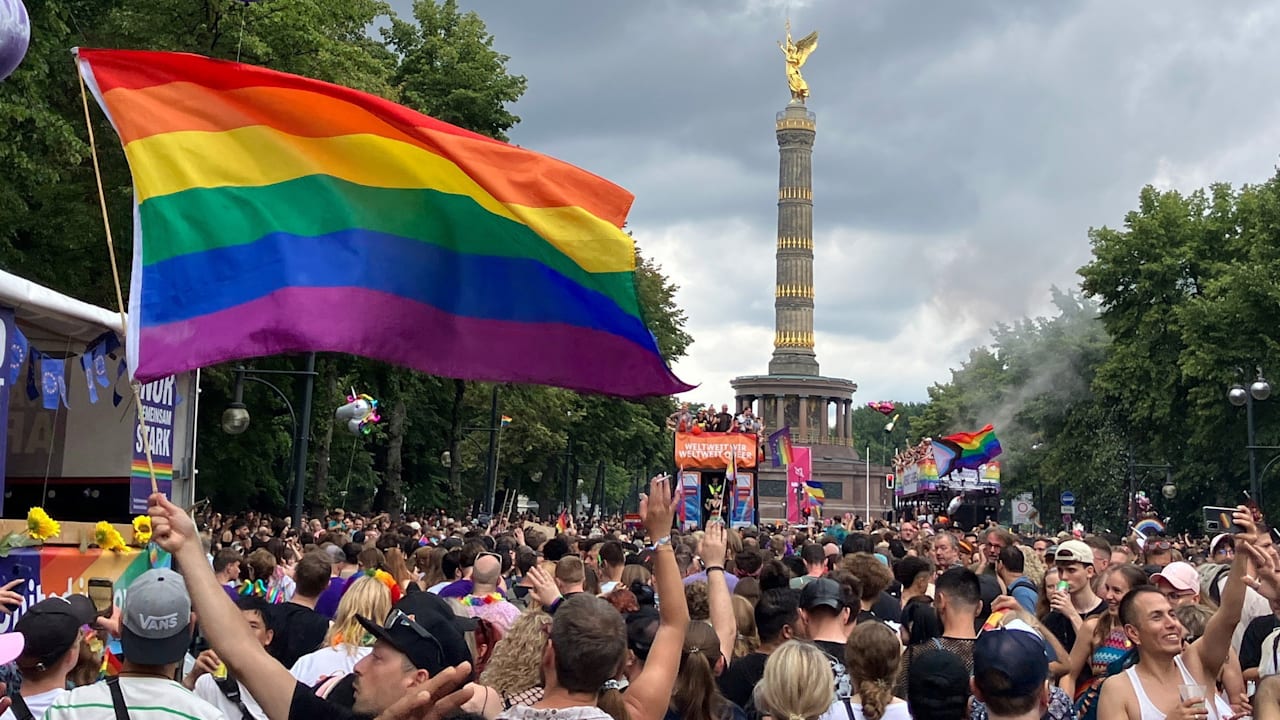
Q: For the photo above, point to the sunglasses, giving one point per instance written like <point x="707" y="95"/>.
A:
<point x="398" y="618"/>
<point x="1160" y="545"/>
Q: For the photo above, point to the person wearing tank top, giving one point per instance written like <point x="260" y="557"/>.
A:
<point x="1150" y="689"/>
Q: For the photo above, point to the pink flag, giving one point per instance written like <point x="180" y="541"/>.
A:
<point x="798" y="471"/>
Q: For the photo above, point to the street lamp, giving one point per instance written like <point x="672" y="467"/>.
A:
<point x="235" y="420"/>
<point x="1259" y="390"/>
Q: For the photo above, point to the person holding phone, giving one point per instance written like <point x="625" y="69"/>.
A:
<point x="51" y="631"/>
<point x="1173" y="679"/>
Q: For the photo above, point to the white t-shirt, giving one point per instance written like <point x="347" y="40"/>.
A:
<point x="440" y="586"/>
<point x="147" y="698"/>
<point x="896" y="710"/>
<point x="37" y="704"/>
<point x="207" y="689"/>
<point x="325" y="662"/>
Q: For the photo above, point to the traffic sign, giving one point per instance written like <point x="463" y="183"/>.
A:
<point x="1068" y="509"/>
<point x="1067" y="497"/>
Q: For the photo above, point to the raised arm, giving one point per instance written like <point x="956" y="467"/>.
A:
<point x="714" y="548"/>
<point x="268" y="681"/>
<point x="648" y="697"/>
<point x="1212" y="647"/>
<point x="1080" y="653"/>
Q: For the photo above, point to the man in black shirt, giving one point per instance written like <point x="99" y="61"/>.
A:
<point x="298" y="628"/>
<point x="396" y="675"/>
<point x="825" y="607"/>
<point x="1251" y="643"/>
<point x="777" y="614"/>
<point x="1071" y="607"/>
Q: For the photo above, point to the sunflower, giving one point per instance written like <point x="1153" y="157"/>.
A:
<point x="141" y="530"/>
<point x="105" y="536"/>
<point x="40" y="526"/>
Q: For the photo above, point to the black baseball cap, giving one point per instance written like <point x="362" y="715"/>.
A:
<point x="431" y="642"/>
<point x="51" y="627"/>
<point x="1009" y="663"/>
<point x="821" y="592"/>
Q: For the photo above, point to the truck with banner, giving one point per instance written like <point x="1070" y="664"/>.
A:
<point x="717" y="476"/>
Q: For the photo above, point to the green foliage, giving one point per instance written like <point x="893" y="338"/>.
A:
<point x="449" y="69"/>
<point x="442" y="62"/>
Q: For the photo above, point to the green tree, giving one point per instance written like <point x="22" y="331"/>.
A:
<point x="449" y="70"/>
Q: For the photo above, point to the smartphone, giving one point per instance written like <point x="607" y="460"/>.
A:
<point x="1218" y="520"/>
<point x="102" y="592"/>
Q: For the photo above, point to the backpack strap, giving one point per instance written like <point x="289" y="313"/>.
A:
<point x="117" y="698"/>
<point x="231" y="689"/>
<point x="20" y="709"/>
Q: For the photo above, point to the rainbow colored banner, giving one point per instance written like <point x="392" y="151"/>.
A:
<point x="58" y="570"/>
<point x="281" y="214"/>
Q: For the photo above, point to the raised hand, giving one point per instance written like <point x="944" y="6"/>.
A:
<point x="9" y="599"/>
<point x="544" y="588"/>
<point x="657" y="508"/>
<point x="171" y="527"/>
<point x="714" y="544"/>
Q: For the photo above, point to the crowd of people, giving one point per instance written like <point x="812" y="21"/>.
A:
<point x="432" y="617"/>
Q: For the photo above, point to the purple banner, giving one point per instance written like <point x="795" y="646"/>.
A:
<point x="159" y="400"/>
<point x="8" y="342"/>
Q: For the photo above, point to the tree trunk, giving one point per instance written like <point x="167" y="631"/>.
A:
<point x="455" y="437"/>
<point x="395" y="463"/>
<point x="324" y="443"/>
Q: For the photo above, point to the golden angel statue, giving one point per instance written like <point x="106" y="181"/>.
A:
<point x="796" y="53"/>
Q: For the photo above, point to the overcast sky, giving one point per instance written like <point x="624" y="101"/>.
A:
<point x="964" y="149"/>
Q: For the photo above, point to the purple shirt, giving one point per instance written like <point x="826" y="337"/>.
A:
<point x="731" y="580"/>
<point x="327" y="603"/>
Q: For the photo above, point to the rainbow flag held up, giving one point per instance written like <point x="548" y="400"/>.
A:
<point x="277" y="214"/>
<point x="966" y="450"/>
<point x="562" y="522"/>
<point x="817" y="496"/>
<point x="506" y="420"/>
<point x="780" y="447"/>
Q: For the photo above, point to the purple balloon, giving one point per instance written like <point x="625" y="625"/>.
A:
<point x="15" y="35"/>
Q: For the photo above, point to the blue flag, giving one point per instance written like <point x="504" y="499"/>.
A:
<point x="100" y="365"/>
<point x="17" y="354"/>
<point x="86" y="364"/>
<point x="33" y="390"/>
<point x="53" y="382"/>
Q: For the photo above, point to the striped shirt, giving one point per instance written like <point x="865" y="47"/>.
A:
<point x="147" y="698"/>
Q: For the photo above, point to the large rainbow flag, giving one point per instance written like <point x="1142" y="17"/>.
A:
<point x="278" y="214"/>
<point x="966" y="450"/>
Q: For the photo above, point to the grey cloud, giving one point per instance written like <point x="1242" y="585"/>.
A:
<point x="963" y="149"/>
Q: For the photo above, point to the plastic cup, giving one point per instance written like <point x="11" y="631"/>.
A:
<point x="1187" y="691"/>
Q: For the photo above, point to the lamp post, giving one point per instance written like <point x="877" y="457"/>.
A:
<point x="1237" y="395"/>
<point x="1168" y="490"/>
<point x="235" y="420"/>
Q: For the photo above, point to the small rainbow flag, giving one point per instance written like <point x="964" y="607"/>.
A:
<point x="562" y="522"/>
<point x="313" y="217"/>
<point x="780" y="447"/>
<point x="816" y="494"/>
<point x="506" y="420"/>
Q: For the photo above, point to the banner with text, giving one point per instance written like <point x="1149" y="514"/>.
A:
<point x="159" y="401"/>
<point x="10" y="336"/>
<point x="711" y="451"/>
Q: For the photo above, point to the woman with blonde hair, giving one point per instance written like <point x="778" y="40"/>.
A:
<point x="744" y="615"/>
<point x="872" y="656"/>
<point x="347" y="641"/>
<point x="514" y="672"/>
<point x="781" y="696"/>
